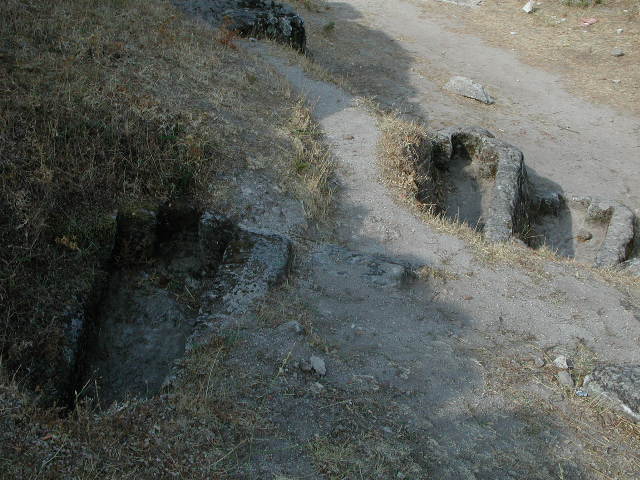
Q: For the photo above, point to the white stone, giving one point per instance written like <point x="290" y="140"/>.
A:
<point x="561" y="362"/>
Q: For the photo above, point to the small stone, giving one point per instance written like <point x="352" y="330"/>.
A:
<point x="538" y="361"/>
<point x="318" y="365"/>
<point x="564" y="378"/>
<point x="316" y="388"/>
<point x="617" y="52"/>
<point x="562" y="362"/>
<point x="468" y="88"/>
<point x="529" y="7"/>
<point x="584" y="235"/>
<point x="305" y="366"/>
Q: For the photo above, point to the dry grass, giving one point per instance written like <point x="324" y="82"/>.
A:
<point x="120" y="104"/>
<point x="610" y="441"/>
<point x="198" y="432"/>
<point x="111" y="106"/>
<point x="313" y="165"/>
<point x="553" y="38"/>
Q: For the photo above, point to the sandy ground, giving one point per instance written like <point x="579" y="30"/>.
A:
<point x="445" y="343"/>
<point x="402" y="56"/>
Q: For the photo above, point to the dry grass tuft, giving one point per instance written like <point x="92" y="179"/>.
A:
<point x="399" y="151"/>
<point x="313" y="164"/>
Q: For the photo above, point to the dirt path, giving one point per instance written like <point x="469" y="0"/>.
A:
<point x="452" y="356"/>
<point x="568" y="142"/>
<point x="371" y="221"/>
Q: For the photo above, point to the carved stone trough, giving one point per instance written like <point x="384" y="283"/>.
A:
<point x="467" y="175"/>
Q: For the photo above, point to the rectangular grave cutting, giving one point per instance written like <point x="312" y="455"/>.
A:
<point x="592" y="231"/>
<point x="469" y="176"/>
<point x="168" y="266"/>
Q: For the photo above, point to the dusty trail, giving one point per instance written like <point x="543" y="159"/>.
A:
<point x="439" y="345"/>
<point x="403" y="57"/>
<point x="437" y="371"/>
<point x="371" y="221"/>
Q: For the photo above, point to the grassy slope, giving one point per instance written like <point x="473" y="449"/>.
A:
<point x="107" y="105"/>
<point x="116" y="103"/>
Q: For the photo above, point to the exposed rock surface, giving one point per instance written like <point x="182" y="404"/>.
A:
<point x="470" y="176"/>
<point x="562" y="362"/>
<point x="468" y="88"/>
<point x="253" y="261"/>
<point x="252" y="18"/>
<point x="620" y="385"/>
<point x="620" y="231"/>
<point x="632" y="266"/>
<point x="564" y="378"/>
<point x="318" y="365"/>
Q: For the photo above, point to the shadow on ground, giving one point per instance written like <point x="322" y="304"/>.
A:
<point x="405" y="391"/>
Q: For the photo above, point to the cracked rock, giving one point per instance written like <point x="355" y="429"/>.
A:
<point x="619" y="385"/>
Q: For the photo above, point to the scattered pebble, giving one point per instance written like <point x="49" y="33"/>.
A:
<point x="318" y="365"/>
<point x="564" y="378"/>
<point x="529" y="7"/>
<point x="562" y="362"/>
<point x="617" y="52"/>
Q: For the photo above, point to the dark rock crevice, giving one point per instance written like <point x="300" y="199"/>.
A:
<point x="173" y="269"/>
<point x="251" y="18"/>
